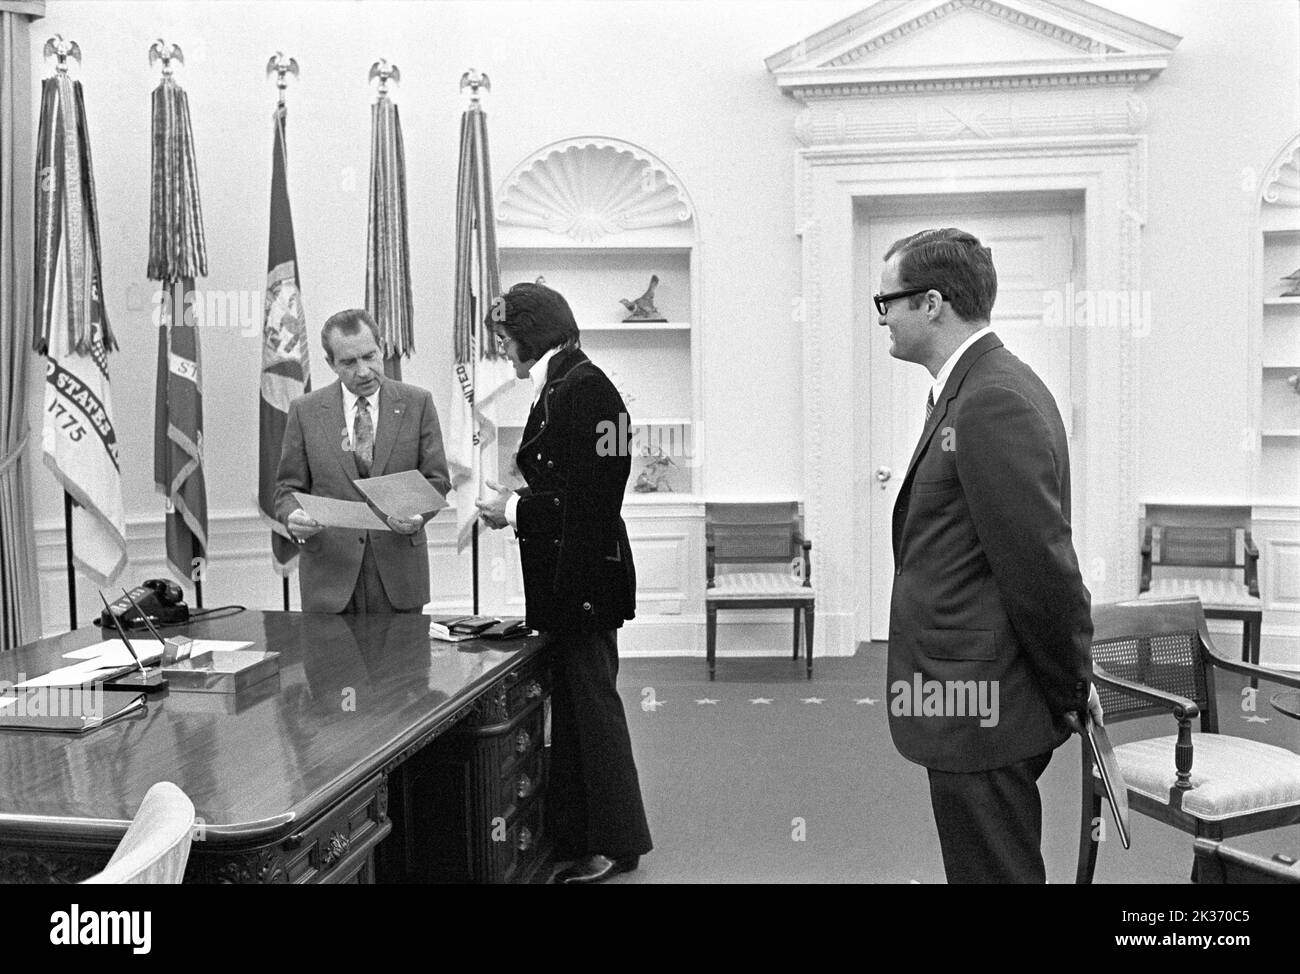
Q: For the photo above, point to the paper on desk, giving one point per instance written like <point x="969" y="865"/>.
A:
<point x="402" y="494"/>
<point x="113" y="653"/>
<point x="334" y="513"/>
<point x="86" y="671"/>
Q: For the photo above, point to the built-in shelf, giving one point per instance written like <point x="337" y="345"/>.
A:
<point x="638" y="326"/>
<point x="1279" y="434"/>
<point x="1277" y="302"/>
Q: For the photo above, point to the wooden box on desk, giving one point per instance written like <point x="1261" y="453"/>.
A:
<point x="472" y="808"/>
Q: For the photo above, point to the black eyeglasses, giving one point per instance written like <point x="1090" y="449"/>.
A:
<point x="882" y="300"/>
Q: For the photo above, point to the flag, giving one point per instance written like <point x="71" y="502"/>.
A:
<point x="177" y="256"/>
<point x="481" y="374"/>
<point x="78" y="439"/>
<point x="286" y="372"/>
<point x="388" y="261"/>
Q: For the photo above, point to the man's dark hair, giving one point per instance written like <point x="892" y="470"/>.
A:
<point x="348" y="322"/>
<point x="536" y="318"/>
<point x="952" y="262"/>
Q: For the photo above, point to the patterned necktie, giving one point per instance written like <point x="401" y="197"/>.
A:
<point x="929" y="404"/>
<point x="363" y="437"/>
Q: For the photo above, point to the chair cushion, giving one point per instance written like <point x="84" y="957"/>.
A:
<point x="758" y="585"/>
<point x="1214" y="593"/>
<point x="1231" y="776"/>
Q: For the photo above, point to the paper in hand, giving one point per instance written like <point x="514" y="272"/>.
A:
<point x="402" y="495"/>
<point x="335" y="513"/>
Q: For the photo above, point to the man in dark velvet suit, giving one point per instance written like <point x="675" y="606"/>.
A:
<point x="364" y="425"/>
<point x="579" y="581"/>
<point x="990" y="628"/>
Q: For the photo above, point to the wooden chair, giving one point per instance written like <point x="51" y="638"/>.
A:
<point x="1224" y="546"/>
<point x="156" y="847"/>
<point x="1219" y="863"/>
<point x="1154" y="658"/>
<point x="758" y="534"/>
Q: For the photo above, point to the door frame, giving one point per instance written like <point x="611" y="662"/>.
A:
<point x="1109" y="172"/>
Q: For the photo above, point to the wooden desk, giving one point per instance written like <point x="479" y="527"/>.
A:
<point x="296" y="785"/>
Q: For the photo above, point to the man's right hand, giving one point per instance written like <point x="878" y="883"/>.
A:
<point x="302" y="527"/>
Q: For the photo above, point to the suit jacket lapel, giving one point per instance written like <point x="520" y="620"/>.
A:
<point x="950" y="388"/>
<point x="390" y="413"/>
<point x="334" y="424"/>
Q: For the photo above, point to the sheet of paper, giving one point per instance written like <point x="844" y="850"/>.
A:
<point x="402" y="494"/>
<point x="334" y="513"/>
<point x="113" y="652"/>
<point x="7" y="702"/>
<point x="87" y="671"/>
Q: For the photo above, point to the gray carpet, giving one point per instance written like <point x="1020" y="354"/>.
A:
<point x="799" y="791"/>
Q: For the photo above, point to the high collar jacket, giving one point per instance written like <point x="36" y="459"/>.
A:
<point x="577" y="565"/>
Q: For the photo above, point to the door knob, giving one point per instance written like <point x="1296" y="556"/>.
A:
<point x="882" y="476"/>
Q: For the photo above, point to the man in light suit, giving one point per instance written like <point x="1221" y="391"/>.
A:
<point x="364" y="425"/>
<point x="990" y="628"/>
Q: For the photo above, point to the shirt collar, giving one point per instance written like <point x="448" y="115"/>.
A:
<point x="537" y="372"/>
<point x="941" y="379"/>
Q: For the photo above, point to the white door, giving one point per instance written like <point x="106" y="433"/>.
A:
<point x="1033" y="241"/>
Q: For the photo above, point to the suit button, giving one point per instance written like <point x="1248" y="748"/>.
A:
<point x="586" y="606"/>
<point x="557" y="502"/>
<point x="543" y="424"/>
<point x="539" y="456"/>
<point x="898" y="571"/>
<point x="557" y="542"/>
<point x="550" y="464"/>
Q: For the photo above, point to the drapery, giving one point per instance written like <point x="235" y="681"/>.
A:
<point x="20" y="612"/>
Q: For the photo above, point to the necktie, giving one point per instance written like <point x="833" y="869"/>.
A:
<point x="363" y="437"/>
<point x="929" y="404"/>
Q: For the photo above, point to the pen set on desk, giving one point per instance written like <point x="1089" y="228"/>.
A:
<point x="170" y="650"/>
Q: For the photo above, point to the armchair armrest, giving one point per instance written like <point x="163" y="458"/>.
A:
<point x="1146" y="560"/>
<point x="1252" y="566"/>
<point x="807" y="563"/>
<point x="1183" y="709"/>
<point x="1180" y="707"/>
<point x="1291" y="680"/>
<point x="710" y="565"/>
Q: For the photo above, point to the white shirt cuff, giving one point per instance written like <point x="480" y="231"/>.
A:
<point x="512" y="505"/>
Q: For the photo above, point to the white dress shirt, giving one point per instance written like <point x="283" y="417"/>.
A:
<point x="941" y="378"/>
<point x="537" y="373"/>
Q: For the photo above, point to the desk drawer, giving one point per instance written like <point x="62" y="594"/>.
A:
<point x="331" y="848"/>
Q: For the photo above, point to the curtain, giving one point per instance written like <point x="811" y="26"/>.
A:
<point x="20" y="611"/>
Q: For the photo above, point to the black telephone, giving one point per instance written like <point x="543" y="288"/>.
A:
<point x="162" y="601"/>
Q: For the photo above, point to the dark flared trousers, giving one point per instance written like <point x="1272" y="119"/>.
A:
<point x="594" y="796"/>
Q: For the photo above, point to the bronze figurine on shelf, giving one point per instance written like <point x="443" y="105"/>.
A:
<point x="643" y="308"/>
<point x="654" y="478"/>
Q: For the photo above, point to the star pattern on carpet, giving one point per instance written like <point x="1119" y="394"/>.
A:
<point x="652" y="705"/>
<point x="867" y="700"/>
<point x="1256" y="719"/>
<point x="761" y="700"/>
<point x="813" y="700"/>
<point x="705" y="701"/>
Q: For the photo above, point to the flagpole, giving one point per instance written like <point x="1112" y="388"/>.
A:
<point x="284" y="581"/>
<point x="72" y="575"/>
<point x="473" y="547"/>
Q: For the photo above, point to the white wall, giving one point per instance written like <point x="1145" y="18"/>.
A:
<point x="687" y="81"/>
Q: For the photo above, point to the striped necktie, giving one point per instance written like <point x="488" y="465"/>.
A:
<point x="929" y="404"/>
<point x="363" y="437"/>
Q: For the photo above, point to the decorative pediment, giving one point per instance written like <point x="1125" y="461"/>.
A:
<point x="588" y="188"/>
<point x="900" y="46"/>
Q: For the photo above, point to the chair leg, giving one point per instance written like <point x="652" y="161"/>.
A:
<point x="1252" y="629"/>
<point x="711" y="636"/>
<point x="796" y="634"/>
<point x="808" y="636"/>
